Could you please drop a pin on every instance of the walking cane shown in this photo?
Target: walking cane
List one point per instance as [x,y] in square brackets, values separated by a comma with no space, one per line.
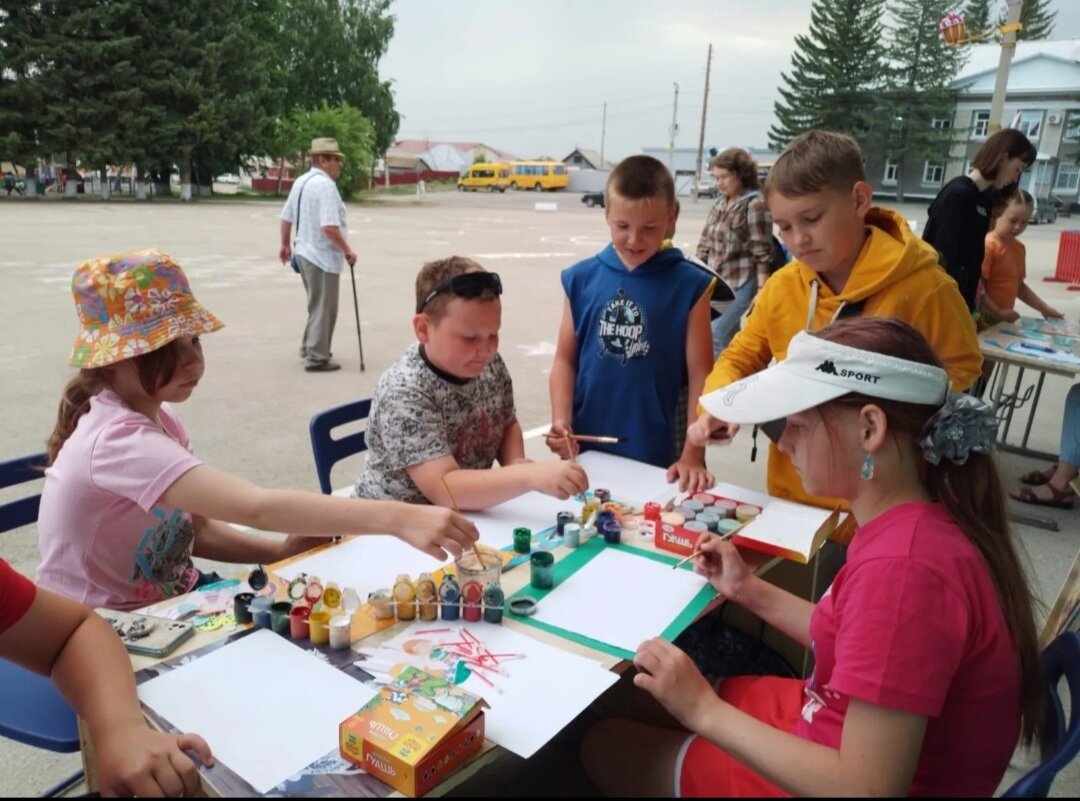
[356,310]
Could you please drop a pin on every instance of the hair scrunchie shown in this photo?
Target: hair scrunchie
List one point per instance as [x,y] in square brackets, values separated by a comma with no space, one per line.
[962,426]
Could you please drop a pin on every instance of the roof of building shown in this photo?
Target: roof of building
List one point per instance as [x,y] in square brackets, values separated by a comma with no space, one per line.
[984,57]
[423,145]
[396,159]
[591,156]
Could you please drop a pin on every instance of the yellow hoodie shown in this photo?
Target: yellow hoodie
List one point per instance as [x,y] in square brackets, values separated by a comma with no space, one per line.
[896,275]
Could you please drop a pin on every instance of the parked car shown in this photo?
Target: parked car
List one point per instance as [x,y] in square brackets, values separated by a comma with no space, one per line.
[1044,209]
[707,191]
[591,199]
[228,178]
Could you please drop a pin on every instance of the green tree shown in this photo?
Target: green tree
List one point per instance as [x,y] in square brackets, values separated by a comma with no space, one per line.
[1037,19]
[834,68]
[915,114]
[977,16]
[354,133]
[329,51]
[21,29]
[86,80]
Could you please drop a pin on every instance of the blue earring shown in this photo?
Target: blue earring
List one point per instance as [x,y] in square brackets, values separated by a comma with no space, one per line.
[867,471]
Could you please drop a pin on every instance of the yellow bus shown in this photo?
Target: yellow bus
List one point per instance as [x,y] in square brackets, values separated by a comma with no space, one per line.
[538,175]
[489,177]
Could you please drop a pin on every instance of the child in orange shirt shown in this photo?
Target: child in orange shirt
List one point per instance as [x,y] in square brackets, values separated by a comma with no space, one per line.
[1003,267]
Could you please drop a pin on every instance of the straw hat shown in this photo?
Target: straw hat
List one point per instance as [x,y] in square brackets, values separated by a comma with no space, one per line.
[132,304]
[325,146]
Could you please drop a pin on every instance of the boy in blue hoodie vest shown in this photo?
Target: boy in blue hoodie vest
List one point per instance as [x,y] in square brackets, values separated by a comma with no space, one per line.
[634,331]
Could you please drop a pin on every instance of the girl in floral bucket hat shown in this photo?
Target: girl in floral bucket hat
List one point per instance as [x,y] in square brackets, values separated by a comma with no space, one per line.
[126,503]
[926,667]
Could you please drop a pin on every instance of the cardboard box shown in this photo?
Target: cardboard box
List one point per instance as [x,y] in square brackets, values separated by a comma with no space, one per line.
[414,733]
[791,530]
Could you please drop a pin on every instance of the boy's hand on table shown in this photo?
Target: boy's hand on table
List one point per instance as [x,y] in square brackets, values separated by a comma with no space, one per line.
[692,476]
[1053,314]
[561,480]
[135,760]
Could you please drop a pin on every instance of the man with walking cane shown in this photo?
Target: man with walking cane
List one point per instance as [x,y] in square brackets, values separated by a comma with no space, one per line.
[320,251]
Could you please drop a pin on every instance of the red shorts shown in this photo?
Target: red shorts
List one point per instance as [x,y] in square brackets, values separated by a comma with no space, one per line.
[703,770]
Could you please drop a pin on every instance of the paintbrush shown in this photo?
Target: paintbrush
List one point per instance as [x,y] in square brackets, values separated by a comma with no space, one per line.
[453,504]
[698,552]
[604,440]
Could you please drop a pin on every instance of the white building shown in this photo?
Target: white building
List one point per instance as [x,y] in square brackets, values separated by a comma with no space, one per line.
[1042,100]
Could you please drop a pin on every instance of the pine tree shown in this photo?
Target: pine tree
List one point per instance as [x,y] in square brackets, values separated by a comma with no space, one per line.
[834,68]
[977,16]
[20,86]
[918,92]
[1037,19]
[87,81]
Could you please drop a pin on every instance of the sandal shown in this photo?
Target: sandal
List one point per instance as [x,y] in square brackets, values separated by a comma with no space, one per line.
[1036,478]
[1059,499]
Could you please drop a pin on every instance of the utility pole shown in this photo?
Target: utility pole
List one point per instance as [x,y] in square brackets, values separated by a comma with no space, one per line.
[674,130]
[701,136]
[603,133]
[1008,47]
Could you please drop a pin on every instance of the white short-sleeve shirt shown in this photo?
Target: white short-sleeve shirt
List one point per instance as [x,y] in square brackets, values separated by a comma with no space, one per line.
[322,205]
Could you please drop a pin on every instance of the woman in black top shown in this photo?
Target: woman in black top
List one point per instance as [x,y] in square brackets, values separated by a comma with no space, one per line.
[959,217]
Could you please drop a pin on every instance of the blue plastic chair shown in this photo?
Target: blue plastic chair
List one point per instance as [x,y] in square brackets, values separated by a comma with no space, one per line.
[1060,741]
[329,451]
[32,712]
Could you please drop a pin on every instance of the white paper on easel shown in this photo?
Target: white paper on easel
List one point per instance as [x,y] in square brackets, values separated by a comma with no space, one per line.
[542,692]
[266,707]
[365,563]
[629,481]
[620,599]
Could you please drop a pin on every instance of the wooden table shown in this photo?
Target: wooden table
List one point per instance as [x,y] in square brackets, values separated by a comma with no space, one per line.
[993,344]
[512,581]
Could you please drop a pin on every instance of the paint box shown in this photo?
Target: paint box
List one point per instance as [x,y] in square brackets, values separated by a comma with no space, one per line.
[791,530]
[415,733]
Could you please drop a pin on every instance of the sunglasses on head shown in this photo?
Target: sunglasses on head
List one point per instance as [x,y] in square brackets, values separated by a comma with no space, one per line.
[466,285]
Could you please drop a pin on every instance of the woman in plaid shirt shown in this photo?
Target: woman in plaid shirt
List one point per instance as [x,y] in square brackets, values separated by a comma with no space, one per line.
[737,239]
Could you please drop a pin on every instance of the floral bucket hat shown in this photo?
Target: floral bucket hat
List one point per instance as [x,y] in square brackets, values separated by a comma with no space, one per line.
[132,304]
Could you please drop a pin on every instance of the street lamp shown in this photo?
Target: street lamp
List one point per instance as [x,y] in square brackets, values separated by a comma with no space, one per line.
[954,31]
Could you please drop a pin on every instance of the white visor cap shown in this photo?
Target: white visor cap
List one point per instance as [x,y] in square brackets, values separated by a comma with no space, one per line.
[817,371]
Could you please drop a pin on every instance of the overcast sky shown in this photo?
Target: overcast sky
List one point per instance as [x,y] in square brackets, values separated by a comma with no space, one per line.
[532,77]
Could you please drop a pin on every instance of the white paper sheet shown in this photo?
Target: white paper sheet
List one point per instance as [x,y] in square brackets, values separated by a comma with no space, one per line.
[541,694]
[364,563]
[266,707]
[629,481]
[533,509]
[620,599]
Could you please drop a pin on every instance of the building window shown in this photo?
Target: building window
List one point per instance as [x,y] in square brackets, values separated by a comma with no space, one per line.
[932,173]
[1072,127]
[1068,179]
[1030,124]
[941,124]
[889,178]
[980,121]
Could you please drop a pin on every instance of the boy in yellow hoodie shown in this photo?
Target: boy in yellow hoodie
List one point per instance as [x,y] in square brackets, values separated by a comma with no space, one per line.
[850,258]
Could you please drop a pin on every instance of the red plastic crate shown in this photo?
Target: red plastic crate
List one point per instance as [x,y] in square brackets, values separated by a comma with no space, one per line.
[1068,260]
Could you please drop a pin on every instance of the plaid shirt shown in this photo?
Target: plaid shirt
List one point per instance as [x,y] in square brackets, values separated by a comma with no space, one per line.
[737,239]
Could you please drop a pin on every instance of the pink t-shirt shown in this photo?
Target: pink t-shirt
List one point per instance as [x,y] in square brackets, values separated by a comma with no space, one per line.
[105,539]
[913,623]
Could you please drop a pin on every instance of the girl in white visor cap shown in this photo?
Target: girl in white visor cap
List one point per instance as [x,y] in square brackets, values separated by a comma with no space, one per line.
[926,668]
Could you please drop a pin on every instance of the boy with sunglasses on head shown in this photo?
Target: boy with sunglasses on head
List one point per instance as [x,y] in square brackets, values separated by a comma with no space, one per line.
[444,412]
